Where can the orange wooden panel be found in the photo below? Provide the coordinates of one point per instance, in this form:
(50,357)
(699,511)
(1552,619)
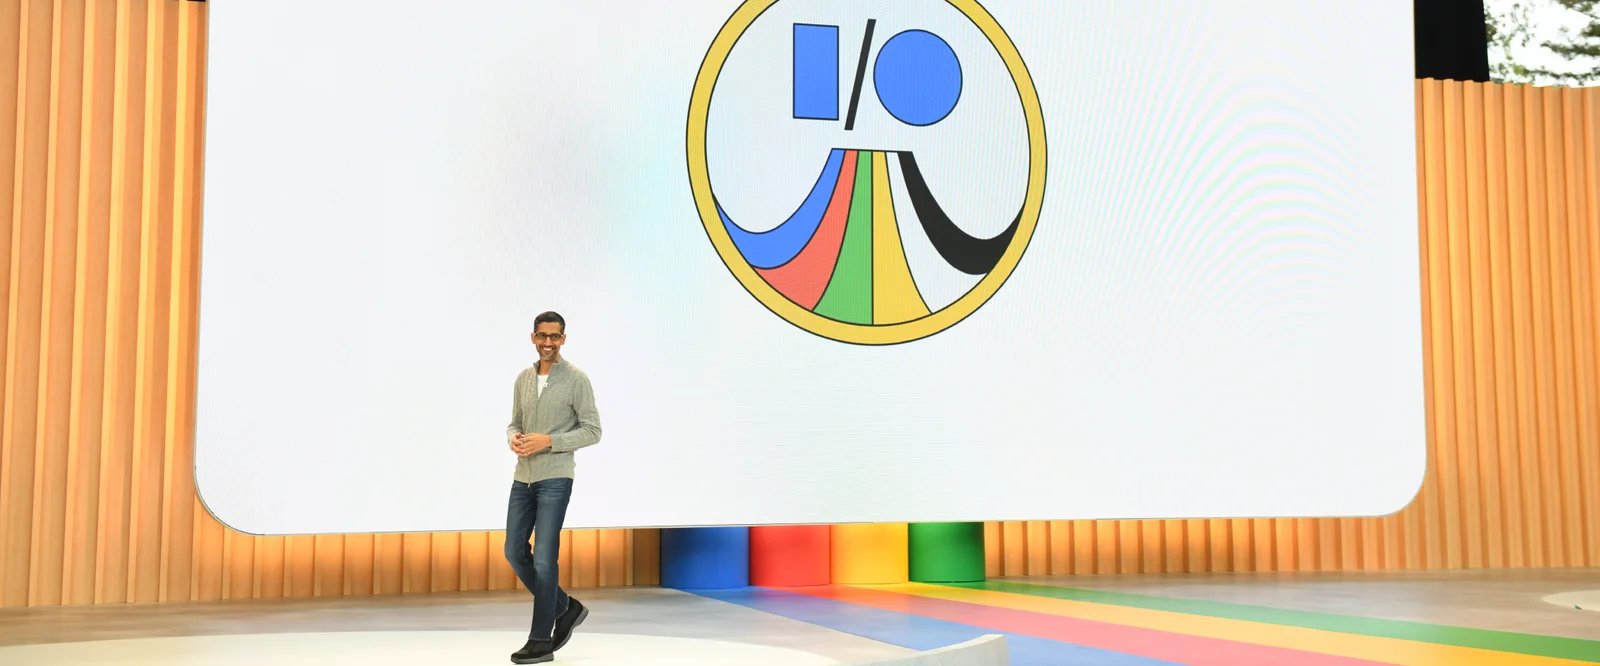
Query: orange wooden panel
(150,385)
(1219,536)
(239,550)
(19,413)
(329,557)
(389,560)
(474,562)
(416,552)
(1310,546)
(1505,517)
(1563,391)
(1545,210)
(178,491)
(1263,546)
(444,571)
(1061,547)
(359,566)
(1580,391)
(1463,219)
(1439,346)
(210,565)
(646,557)
(53,390)
(501,577)
(271,580)
(121,316)
(1371,548)
(104,146)
(1521,323)
(611,555)
(1152,546)
(1015,534)
(1085,547)
(1486,537)
(300,566)
(1197,544)
(1284,545)
(1106,546)
(1243,546)
(1586,135)
(585,558)
(1412,529)
(1129,547)
(91,306)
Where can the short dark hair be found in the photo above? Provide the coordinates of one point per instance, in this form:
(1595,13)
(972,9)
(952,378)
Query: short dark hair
(550,317)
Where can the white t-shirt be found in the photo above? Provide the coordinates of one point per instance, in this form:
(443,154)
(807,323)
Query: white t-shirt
(539,390)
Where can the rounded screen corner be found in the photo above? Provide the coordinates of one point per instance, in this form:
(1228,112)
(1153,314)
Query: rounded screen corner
(201,495)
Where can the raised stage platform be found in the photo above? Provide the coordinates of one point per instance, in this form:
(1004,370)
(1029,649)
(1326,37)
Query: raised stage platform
(1455,618)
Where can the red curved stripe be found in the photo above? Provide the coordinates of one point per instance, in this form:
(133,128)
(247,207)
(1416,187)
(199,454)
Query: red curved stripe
(805,277)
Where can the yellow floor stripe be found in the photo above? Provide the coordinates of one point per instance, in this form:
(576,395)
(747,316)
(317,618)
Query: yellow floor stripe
(894,293)
(1388,650)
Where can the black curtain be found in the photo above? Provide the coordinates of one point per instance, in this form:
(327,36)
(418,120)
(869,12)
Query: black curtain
(1451,40)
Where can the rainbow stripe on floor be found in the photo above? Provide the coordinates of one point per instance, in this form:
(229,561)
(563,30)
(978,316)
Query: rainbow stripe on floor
(1046,624)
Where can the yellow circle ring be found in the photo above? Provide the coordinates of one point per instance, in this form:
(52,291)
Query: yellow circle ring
(864,334)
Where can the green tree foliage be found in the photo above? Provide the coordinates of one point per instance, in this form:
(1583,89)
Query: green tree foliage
(1513,42)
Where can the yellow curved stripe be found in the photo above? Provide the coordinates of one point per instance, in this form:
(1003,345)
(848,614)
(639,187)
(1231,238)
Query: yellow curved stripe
(1373,648)
(894,294)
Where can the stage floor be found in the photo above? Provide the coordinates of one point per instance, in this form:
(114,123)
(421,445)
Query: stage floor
(1466,618)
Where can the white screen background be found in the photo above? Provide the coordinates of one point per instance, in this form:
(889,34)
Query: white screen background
(1218,315)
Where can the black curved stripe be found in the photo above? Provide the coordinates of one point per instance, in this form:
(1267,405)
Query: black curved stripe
(970,255)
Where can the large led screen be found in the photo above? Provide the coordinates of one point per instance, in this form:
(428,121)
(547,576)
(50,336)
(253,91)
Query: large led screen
(821,261)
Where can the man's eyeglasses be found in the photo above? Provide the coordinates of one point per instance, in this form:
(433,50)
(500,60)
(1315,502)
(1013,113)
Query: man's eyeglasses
(546,337)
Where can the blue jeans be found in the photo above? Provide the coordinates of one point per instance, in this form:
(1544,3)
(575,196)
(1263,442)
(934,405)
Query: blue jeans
(537,510)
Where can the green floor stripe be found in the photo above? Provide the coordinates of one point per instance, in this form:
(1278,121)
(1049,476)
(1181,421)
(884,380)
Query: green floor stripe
(1486,639)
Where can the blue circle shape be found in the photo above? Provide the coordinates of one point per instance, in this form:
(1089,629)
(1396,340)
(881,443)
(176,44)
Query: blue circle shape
(918,77)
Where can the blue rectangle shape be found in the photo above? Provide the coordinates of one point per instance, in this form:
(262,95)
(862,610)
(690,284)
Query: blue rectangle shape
(816,71)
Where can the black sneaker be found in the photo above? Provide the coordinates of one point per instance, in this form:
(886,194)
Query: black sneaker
(535,652)
(574,616)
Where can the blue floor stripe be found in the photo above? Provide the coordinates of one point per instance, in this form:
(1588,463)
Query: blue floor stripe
(916,632)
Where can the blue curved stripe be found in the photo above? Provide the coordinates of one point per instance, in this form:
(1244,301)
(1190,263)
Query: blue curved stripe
(775,247)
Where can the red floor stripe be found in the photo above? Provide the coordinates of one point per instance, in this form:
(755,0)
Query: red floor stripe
(1180,648)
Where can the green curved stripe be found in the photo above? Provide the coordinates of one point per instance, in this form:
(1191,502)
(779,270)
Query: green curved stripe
(1558,647)
(849,294)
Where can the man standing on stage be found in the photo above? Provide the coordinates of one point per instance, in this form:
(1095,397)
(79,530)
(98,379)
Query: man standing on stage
(552,415)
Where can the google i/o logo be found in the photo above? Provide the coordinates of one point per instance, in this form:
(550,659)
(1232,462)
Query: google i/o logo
(871,172)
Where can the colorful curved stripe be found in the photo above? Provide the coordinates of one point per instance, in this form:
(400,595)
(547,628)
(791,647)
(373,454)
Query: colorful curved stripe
(1321,641)
(938,283)
(917,633)
(1159,645)
(1056,625)
(849,294)
(1420,643)
(805,276)
(776,247)
(967,253)
(850,263)
(895,297)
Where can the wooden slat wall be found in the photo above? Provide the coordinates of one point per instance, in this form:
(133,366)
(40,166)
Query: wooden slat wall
(99,257)
(1509,180)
